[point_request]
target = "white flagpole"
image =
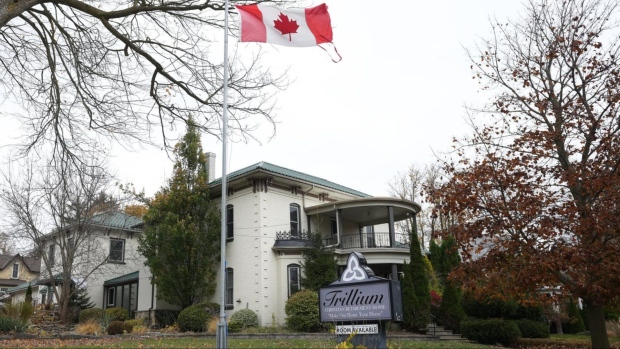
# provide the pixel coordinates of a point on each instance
(222, 331)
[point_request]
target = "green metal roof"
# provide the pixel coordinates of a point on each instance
(57, 277)
(123, 279)
(279, 170)
(115, 219)
(21, 286)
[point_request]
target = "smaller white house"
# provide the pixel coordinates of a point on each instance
(106, 263)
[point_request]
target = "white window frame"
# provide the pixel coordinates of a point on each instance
(230, 222)
(230, 288)
(15, 271)
(289, 282)
(112, 293)
(295, 232)
(122, 259)
(51, 254)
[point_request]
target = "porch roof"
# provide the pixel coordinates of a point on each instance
(127, 278)
(367, 211)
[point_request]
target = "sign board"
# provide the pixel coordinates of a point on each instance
(360, 302)
(360, 296)
(359, 329)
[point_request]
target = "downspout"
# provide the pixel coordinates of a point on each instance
(152, 298)
(303, 203)
(303, 197)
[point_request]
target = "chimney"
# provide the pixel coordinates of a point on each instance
(210, 166)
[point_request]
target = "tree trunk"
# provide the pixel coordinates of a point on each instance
(558, 324)
(598, 331)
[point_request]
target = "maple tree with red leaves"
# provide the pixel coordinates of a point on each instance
(286, 25)
(536, 186)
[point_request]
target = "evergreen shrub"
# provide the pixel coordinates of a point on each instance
(118, 313)
(94, 314)
(196, 317)
(533, 329)
(302, 311)
(165, 318)
(130, 324)
(574, 324)
(451, 311)
(116, 327)
(246, 318)
(234, 326)
(491, 331)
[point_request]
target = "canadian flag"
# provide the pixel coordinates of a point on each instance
(298, 27)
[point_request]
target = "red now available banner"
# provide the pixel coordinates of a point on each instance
(298, 27)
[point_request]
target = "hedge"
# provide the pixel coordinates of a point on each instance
(491, 331)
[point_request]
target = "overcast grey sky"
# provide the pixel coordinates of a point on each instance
(397, 95)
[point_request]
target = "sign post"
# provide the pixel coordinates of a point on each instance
(361, 303)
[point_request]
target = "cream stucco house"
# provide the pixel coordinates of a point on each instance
(16, 270)
(269, 209)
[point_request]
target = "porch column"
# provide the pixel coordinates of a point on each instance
(339, 228)
(395, 272)
(391, 226)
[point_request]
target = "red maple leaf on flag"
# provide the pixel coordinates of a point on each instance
(285, 25)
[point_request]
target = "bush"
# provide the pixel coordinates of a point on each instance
(533, 329)
(451, 312)
(302, 310)
(246, 318)
(489, 308)
(130, 324)
(165, 318)
(574, 324)
(90, 327)
(234, 326)
(118, 313)
(491, 331)
(91, 314)
(8, 324)
(196, 317)
(116, 327)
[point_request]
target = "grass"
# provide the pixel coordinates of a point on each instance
(565, 341)
(209, 342)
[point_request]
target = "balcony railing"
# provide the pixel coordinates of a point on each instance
(369, 240)
(348, 241)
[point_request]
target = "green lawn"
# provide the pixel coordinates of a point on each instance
(194, 342)
(556, 341)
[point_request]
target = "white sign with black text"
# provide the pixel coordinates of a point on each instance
(359, 329)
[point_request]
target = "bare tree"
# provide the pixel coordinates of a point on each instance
(414, 185)
(52, 208)
(124, 70)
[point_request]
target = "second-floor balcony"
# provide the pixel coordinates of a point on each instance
(354, 224)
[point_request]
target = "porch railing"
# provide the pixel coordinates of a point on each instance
(369, 240)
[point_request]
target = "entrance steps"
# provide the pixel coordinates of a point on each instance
(441, 333)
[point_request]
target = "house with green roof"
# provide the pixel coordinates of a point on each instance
(270, 210)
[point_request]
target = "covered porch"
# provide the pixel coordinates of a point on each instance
(362, 223)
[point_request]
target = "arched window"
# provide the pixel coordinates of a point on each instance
(230, 219)
(294, 278)
(295, 220)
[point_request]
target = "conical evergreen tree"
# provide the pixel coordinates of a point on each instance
(418, 308)
(575, 322)
(28, 294)
(183, 224)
